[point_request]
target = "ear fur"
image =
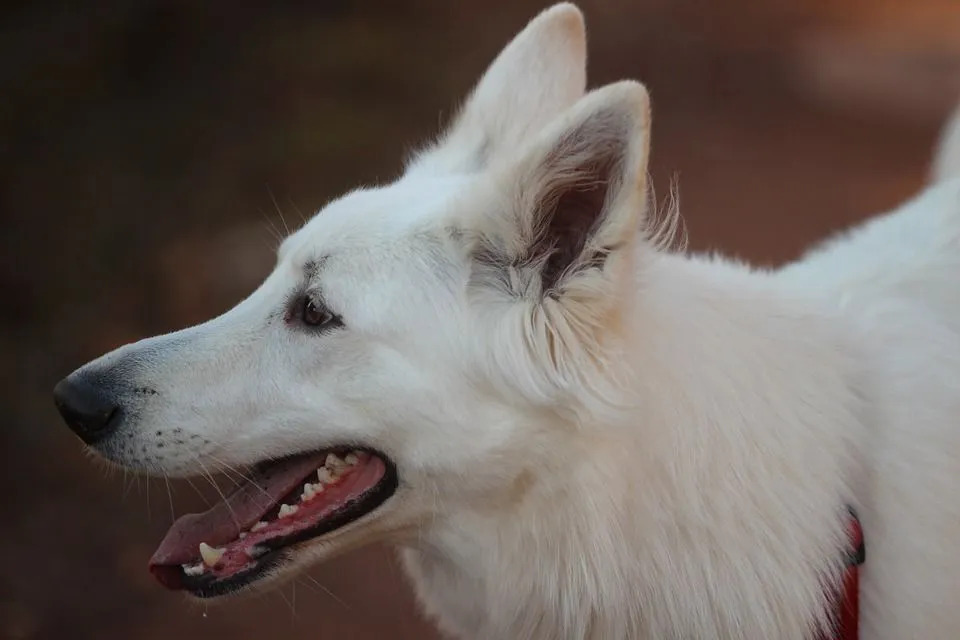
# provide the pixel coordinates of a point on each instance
(577, 195)
(539, 74)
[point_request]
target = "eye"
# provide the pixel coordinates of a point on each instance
(317, 315)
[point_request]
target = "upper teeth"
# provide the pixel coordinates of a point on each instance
(333, 467)
(210, 555)
(194, 570)
(334, 462)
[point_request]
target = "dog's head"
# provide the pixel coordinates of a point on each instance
(416, 343)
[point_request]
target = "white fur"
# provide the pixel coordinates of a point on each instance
(651, 445)
(946, 163)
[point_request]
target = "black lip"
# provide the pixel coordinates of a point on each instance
(208, 586)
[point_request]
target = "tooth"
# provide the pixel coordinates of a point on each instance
(351, 459)
(324, 475)
(194, 570)
(287, 510)
(259, 525)
(210, 555)
(334, 462)
(243, 534)
(308, 493)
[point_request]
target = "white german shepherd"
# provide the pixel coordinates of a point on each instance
(569, 430)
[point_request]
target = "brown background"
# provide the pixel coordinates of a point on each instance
(147, 148)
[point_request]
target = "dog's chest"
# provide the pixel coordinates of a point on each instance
(490, 601)
(456, 600)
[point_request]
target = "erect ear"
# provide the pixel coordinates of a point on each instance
(576, 198)
(536, 77)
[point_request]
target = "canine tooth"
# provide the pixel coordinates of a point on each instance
(324, 475)
(259, 525)
(194, 570)
(287, 510)
(351, 459)
(210, 555)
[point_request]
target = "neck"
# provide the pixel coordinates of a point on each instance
(727, 484)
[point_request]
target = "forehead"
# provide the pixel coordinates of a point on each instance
(381, 221)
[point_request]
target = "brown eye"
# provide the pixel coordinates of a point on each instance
(314, 315)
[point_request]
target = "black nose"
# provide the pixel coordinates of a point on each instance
(88, 409)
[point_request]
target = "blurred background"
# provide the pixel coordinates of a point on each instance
(151, 151)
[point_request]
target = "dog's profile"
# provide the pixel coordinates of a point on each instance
(567, 428)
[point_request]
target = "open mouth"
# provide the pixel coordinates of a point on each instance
(283, 503)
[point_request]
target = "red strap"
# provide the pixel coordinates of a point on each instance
(847, 615)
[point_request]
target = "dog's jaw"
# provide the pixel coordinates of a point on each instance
(259, 528)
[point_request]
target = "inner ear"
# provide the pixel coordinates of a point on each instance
(571, 213)
(573, 198)
(576, 180)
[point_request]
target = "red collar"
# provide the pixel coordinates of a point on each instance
(847, 611)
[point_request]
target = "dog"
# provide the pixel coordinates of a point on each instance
(568, 428)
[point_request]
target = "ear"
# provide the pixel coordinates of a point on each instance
(577, 197)
(535, 78)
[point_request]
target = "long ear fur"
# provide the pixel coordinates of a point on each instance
(557, 250)
(538, 75)
(576, 195)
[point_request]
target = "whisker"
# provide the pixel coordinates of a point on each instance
(127, 484)
(166, 480)
(217, 487)
(225, 467)
(226, 474)
(293, 614)
(293, 598)
(274, 233)
(146, 483)
(272, 228)
(198, 492)
(277, 207)
(326, 591)
(303, 218)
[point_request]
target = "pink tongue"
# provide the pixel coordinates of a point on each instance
(238, 512)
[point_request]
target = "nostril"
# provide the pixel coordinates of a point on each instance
(88, 409)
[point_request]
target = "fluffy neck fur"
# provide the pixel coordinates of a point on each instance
(725, 484)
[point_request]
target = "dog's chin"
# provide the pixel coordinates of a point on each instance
(288, 514)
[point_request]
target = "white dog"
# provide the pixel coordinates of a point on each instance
(568, 430)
